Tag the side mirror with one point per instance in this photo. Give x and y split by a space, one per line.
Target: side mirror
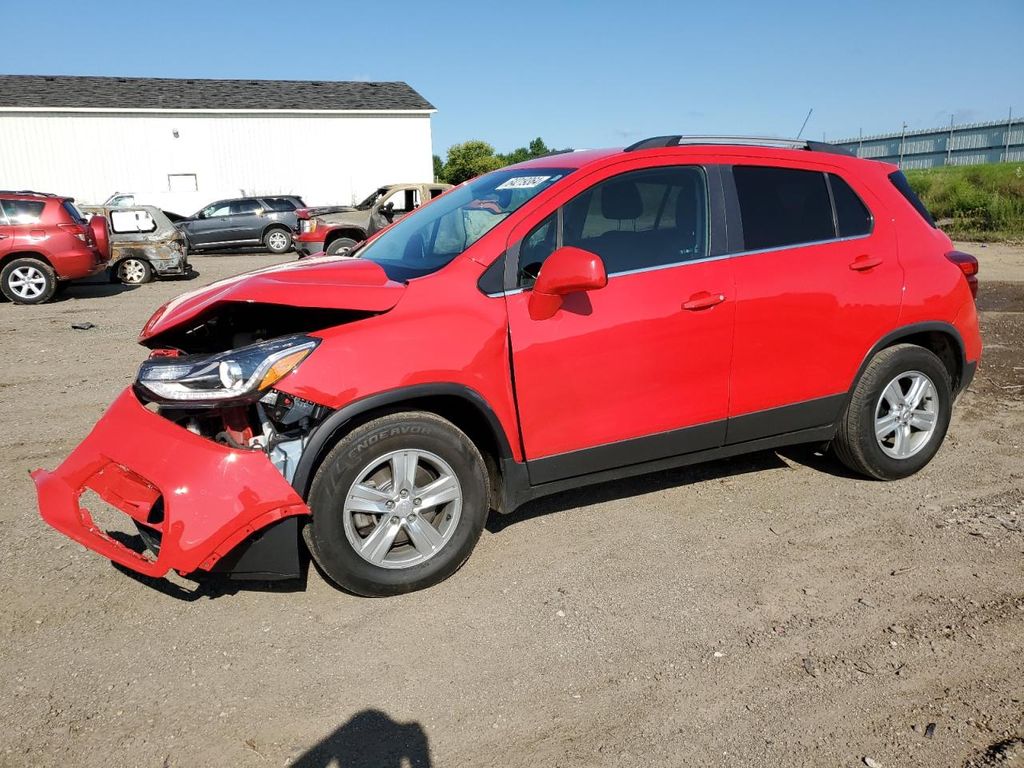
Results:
567 270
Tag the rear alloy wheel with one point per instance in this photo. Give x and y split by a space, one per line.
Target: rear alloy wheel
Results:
28 281
340 245
898 415
278 241
134 271
398 505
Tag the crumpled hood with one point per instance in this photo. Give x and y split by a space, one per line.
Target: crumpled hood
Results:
326 282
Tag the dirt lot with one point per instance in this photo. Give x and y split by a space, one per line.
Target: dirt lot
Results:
771 610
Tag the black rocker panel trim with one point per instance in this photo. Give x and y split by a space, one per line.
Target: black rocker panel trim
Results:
325 435
788 418
518 491
625 452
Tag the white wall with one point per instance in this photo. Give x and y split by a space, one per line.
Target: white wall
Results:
325 158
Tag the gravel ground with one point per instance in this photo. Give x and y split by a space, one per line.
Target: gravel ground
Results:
770 610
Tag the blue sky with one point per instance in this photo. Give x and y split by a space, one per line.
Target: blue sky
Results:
579 74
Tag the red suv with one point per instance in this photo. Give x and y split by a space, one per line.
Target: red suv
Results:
45 239
569 320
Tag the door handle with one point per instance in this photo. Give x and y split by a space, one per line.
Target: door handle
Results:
3 237
864 263
703 300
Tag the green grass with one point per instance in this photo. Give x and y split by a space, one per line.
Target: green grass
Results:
974 202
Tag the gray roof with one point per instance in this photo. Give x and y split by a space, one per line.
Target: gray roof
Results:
117 93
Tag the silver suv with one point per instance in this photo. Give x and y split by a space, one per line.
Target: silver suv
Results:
245 221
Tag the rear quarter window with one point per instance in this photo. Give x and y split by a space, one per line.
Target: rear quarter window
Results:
900 182
22 211
852 217
73 212
280 204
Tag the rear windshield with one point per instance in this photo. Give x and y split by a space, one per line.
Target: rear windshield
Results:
900 182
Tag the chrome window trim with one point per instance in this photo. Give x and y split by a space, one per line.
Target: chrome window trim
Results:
706 259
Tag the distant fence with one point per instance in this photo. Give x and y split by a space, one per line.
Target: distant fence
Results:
969 144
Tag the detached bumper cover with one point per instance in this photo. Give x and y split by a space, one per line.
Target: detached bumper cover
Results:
213 496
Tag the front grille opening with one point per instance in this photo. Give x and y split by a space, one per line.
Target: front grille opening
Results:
115 523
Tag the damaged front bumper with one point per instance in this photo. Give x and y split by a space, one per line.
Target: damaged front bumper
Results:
200 499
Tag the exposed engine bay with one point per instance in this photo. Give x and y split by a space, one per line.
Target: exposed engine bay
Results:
223 364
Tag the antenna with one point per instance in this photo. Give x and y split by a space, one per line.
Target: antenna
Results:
805 122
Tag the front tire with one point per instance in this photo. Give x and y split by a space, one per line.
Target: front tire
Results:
898 415
339 245
278 240
398 505
28 281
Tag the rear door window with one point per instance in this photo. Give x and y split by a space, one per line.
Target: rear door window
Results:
243 207
23 211
852 217
781 207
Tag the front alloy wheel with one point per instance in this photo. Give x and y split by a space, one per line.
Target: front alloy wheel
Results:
403 509
398 504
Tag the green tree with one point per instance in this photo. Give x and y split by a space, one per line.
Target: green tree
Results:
538 148
470 159
438 168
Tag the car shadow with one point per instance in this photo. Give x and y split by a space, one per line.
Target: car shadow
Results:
370 739
813 457
92 290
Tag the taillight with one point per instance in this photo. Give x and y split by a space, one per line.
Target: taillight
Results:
969 266
76 230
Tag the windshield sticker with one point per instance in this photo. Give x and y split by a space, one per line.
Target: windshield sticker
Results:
523 182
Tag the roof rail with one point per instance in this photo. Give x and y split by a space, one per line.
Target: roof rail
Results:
678 140
27 192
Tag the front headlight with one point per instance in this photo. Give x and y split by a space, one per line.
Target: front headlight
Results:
238 374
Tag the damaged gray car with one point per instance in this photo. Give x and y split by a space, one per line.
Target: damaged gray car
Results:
143 243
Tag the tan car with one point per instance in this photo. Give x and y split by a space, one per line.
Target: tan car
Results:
337 229
143 243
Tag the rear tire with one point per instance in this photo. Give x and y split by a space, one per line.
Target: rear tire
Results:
898 415
339 245
134 271
377 537
28 281
278 240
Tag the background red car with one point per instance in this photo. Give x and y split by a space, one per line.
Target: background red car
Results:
45 240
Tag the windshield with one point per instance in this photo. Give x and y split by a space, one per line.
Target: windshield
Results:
369 202
430 238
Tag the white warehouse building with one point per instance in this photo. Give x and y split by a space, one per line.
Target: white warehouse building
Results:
185 143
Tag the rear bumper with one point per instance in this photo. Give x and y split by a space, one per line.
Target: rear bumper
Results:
78 264
213 497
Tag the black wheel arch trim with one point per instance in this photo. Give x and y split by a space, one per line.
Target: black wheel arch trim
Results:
276 225
903 332
333 427
339 231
